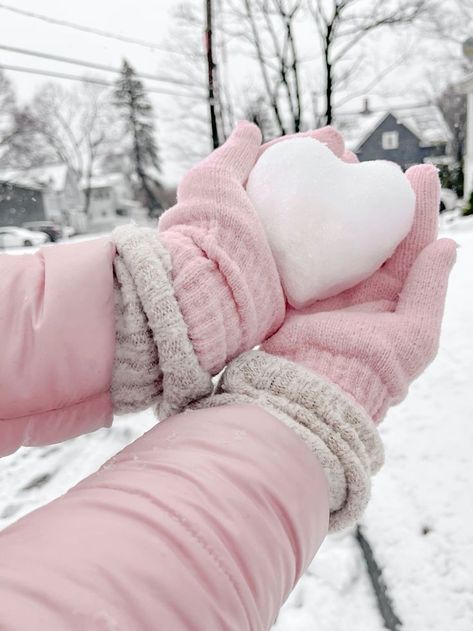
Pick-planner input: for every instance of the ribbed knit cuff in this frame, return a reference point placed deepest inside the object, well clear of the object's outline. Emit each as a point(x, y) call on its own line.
point(153, 314)
point(136, 377)
point(336, 429)
point(356, 378)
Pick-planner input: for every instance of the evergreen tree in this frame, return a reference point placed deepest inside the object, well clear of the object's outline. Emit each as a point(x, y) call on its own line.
point(136, 112)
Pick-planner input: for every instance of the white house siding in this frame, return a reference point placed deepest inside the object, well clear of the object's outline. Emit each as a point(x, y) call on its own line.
point(102, 207)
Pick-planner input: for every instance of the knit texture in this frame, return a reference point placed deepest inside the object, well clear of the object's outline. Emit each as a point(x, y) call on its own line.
point(226, 292)
point(148, 309)
point(333, 426)
point(137, 377)
point(224, 274)
point(375, 339)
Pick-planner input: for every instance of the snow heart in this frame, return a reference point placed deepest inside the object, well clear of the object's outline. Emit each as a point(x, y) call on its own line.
point(330, 224)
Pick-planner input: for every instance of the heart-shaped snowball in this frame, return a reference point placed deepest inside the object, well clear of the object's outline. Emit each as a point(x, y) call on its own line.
point(330, 224)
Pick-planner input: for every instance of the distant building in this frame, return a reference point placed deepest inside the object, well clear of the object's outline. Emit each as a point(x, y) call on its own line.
point(102, 207)
point(19, 204)
point(111, 201)
point(407, 137)
point(466, 87)
point(61, 193)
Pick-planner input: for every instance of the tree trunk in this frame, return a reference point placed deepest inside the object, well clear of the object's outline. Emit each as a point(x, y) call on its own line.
point(328, 92)
point(87, 194)
point(211, 75)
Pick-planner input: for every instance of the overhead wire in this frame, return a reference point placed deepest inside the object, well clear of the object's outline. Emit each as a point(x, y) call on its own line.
point(69, 77)
point(92, 65)
point(89, 29)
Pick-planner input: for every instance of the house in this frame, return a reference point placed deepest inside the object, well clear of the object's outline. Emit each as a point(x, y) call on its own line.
point(466, 87)
point(110, 201)
point(405, 136)
point(102, 206)
point(62, 196)
point(19, 204)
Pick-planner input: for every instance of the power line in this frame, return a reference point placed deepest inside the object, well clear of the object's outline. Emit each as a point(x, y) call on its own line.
point(70, 77)
point(89, 29)
point(89, 64)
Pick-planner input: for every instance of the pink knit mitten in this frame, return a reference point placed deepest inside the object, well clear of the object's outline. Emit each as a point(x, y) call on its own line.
point(335, 367)
point(202, 290)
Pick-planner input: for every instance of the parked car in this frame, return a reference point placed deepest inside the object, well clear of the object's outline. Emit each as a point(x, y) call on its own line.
point(11, 237)
point(53, 231)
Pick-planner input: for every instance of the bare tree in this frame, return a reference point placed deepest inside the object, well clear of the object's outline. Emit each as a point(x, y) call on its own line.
point(269, 27)
point(341, 25)
point(74, 127)
point(258, 112)
point(187, 131)
point(7, 110)
point(211, 72)
point(19, 143)
point(100, 131)
point(453, 107)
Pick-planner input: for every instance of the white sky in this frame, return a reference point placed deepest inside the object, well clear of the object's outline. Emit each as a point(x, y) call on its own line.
point(149, 20)
point(143, 19)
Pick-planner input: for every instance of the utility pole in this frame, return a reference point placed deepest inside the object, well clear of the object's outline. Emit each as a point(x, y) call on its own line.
point(211, 74)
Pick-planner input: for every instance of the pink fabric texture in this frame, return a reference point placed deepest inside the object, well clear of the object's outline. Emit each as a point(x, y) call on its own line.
point(374, 339)
point(224, 275)
point(204, 523)
point(57, 343)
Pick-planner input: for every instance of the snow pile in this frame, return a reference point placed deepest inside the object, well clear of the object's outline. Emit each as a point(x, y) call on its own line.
point(419, 521)
point(330, 224)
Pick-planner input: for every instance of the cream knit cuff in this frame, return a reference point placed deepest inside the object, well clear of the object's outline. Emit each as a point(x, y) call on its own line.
point(335, 428)
point(136, 377)
point(152, 337)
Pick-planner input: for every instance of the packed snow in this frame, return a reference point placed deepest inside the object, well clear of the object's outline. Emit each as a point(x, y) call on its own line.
point(330, 224)
point(420, 518)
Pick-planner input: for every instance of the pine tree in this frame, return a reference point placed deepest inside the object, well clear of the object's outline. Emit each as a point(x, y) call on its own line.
point(136, 112)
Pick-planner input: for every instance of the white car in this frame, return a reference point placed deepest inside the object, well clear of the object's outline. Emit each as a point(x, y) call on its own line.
point(11, 237)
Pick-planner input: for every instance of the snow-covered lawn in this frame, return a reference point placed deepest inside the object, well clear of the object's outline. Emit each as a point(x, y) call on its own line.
point(419, 522)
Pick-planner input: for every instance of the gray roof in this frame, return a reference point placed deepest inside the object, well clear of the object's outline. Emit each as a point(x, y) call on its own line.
point(427, 123)
point(50, 175)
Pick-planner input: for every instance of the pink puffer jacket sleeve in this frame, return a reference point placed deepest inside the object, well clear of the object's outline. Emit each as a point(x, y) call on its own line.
point(204, 524)
point(57, 340)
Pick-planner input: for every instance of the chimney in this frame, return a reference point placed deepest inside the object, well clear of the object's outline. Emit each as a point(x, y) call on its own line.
point(366, 107)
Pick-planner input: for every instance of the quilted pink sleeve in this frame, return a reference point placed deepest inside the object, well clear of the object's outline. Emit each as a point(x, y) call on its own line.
point(57, 340)
point(204, 523)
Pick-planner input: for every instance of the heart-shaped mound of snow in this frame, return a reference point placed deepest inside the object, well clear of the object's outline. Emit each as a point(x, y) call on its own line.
point(330, 224)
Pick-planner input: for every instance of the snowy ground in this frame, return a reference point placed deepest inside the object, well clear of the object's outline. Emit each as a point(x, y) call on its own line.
point(420, 520)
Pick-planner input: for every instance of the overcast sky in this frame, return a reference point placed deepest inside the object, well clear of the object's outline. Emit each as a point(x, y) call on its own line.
point(149, 20)
point(144, 19)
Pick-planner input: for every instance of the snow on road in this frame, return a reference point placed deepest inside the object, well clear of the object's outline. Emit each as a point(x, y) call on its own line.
point(419, 522)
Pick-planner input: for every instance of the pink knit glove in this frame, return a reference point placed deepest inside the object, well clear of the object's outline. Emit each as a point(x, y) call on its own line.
point(224, 274)
point(374, 339)
point(206, 285)
point(333, 368)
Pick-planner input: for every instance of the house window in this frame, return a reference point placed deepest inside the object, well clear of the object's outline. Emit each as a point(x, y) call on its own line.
point(390, 140)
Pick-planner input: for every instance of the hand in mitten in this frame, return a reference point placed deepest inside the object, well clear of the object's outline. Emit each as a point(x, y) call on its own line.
point(374, 339)
point(335, 367)
point(202, 290)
